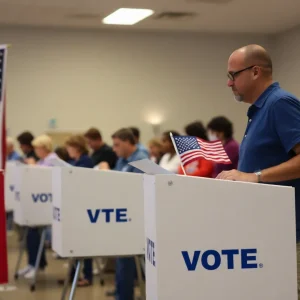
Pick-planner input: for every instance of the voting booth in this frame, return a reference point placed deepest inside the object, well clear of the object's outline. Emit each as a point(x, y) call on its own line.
point(97, 213)
point(33, 196)
point(212, 239)
point(9, 182)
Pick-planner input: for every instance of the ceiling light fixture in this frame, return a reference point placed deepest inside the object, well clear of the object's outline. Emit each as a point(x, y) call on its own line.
point(127, 16)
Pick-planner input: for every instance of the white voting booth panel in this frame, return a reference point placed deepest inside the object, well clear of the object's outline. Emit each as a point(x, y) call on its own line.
point(9, 185)
point(33, 196)
point(97, 213)
point(212, 239)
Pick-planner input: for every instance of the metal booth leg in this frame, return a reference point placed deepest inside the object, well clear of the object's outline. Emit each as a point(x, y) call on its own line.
point(75, 280)
point(21, 252)
point(67, 280)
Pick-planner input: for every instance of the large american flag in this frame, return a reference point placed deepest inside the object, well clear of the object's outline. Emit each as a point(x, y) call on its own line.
point(191, 148)
point(3, 248)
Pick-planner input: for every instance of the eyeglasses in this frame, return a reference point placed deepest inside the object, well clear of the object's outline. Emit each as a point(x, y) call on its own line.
point(231, 75)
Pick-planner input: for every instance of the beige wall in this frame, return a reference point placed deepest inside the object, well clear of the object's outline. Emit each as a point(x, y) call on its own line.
point(110, 79)
point(287, 60)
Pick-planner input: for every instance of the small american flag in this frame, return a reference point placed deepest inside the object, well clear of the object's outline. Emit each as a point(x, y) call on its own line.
point(191, 148)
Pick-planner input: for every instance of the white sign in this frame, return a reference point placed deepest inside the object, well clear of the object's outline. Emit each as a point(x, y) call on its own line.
point(33, 196)
point(97, 213)
point(213, 239)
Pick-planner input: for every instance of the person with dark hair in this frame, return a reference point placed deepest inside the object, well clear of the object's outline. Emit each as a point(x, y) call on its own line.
point(25, 139)
point(201, 167)
point(137, 135)
point(63, 154)
point(196, 129)
point(220, 128)
point(170, 160)
point(101, 151)
point(124, 145)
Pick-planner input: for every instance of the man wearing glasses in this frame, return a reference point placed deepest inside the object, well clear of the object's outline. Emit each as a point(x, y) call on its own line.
point(270, 150)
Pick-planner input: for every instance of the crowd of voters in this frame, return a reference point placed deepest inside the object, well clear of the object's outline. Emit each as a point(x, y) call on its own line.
point(89, 150)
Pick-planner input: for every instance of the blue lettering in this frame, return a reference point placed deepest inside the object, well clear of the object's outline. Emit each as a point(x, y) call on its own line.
point(56, 214)
point(248, 259)
point(107, 211)
point(121, 214)
point(151, 251)
point(93, 218)
point(217, 260)
point(11, 187)
point(191, 265)
point(245, 258)
point(230, 257)
point(42, 197)
point(35, 197)
point(17, 196)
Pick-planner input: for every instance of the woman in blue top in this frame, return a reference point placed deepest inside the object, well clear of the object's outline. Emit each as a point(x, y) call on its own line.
point(78, 151)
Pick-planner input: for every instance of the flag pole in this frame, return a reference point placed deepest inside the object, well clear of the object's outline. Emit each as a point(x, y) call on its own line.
point(172, 139)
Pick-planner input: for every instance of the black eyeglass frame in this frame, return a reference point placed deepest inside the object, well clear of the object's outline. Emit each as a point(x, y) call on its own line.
point(231, 75)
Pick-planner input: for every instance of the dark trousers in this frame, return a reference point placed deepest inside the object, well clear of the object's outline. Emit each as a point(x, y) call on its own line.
point(125, 276)
point(87, 270)
point(33, 243)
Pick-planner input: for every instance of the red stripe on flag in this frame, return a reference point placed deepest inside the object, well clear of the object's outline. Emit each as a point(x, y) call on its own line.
point(3, 245)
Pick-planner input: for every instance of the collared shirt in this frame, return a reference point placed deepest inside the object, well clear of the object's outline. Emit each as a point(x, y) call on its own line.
point(272, 132)
point(84, 161)
point(104, 153)
point(143, 148)
point(14, 156)
point(122, 163)
point(48, 160)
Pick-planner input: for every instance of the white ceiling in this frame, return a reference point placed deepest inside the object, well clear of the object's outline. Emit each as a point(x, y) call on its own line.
point(212, 15)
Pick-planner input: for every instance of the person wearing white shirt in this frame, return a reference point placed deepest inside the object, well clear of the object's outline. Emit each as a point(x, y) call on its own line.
point(170, 160)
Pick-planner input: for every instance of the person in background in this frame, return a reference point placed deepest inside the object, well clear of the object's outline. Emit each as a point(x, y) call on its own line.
point(201, 167)
point(124, 145)
point(101, 151)
point(63, 154)
point(220, 128)
point(43, 147)
point(25, 139)
point(137, 135)
point(78, 151)
point(170, 160)
point(11, 154)
point(155, 150)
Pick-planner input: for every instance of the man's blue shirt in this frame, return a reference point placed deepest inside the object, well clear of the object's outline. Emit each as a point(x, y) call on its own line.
point(272, 132)
point(122, 163)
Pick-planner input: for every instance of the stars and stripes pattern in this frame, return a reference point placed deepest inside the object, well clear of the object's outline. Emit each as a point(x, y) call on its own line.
point(191, 148)
point(3, 247)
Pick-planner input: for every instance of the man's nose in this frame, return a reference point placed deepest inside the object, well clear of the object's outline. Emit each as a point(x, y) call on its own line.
point(229, 83)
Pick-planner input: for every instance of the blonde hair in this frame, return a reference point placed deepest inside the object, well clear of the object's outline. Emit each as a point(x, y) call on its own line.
point(44, 141)
point(10, 141)
point(78, 141)
point(155, 142)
